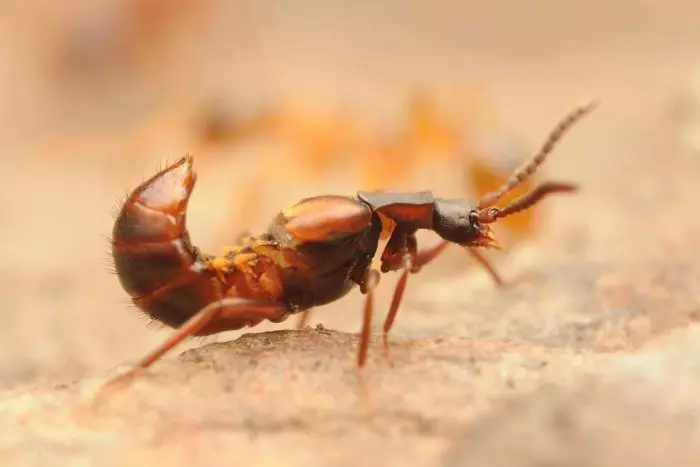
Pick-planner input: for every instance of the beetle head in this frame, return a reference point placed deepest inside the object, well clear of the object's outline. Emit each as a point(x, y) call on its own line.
point(466, 225)
point(458, 222)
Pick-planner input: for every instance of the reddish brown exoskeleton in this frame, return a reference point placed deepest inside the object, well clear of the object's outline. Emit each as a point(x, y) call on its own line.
point(313, 253)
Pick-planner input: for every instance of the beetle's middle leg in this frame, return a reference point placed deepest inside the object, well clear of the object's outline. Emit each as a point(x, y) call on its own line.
point(303, 319)
point(402, 247)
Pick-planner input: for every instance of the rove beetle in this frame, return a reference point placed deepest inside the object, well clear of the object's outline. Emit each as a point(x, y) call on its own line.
point(313, 253)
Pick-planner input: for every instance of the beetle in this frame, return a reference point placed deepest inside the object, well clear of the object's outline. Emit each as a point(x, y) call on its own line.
point(313, 252)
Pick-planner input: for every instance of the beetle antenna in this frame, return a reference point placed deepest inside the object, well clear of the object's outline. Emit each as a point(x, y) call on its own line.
point(489, 215)
point(530, 166)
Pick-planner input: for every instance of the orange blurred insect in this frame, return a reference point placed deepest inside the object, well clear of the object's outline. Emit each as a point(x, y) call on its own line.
point(484, 155)
point(314, 252)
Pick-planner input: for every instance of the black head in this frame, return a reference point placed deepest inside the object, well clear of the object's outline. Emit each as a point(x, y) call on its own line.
point(458, 222)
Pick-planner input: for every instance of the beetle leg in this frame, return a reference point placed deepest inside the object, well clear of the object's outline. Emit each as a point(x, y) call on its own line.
point(367, 279)
point(412, 263)
point(401, 243)
point(486, 264)
point(409, 264)
point(370, 283)
point(304, 318)
point(425, 256)
point(192, 327)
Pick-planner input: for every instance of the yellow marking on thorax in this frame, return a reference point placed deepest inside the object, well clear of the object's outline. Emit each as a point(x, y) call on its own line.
point(260, 273)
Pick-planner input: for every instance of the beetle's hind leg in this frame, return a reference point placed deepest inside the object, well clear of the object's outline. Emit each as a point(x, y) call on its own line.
point(233, 306)
point(368, 285)
point(303, 319)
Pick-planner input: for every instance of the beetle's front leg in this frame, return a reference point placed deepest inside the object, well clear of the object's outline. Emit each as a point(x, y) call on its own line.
point(402, 243)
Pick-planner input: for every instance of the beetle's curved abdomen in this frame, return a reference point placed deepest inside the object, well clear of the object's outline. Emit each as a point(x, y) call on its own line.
point(154, 259)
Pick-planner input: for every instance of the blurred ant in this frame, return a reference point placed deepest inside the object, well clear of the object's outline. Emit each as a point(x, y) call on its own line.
point(484, 157)
point(313, 253)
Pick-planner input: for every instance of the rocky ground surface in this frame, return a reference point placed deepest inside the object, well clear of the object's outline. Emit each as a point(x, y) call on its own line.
point(592, 361)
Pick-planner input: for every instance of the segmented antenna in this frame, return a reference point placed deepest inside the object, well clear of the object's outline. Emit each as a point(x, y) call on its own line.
point(489, 215)
point(530, 166)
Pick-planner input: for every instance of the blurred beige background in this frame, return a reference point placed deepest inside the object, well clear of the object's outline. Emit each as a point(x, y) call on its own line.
point(95, 95)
